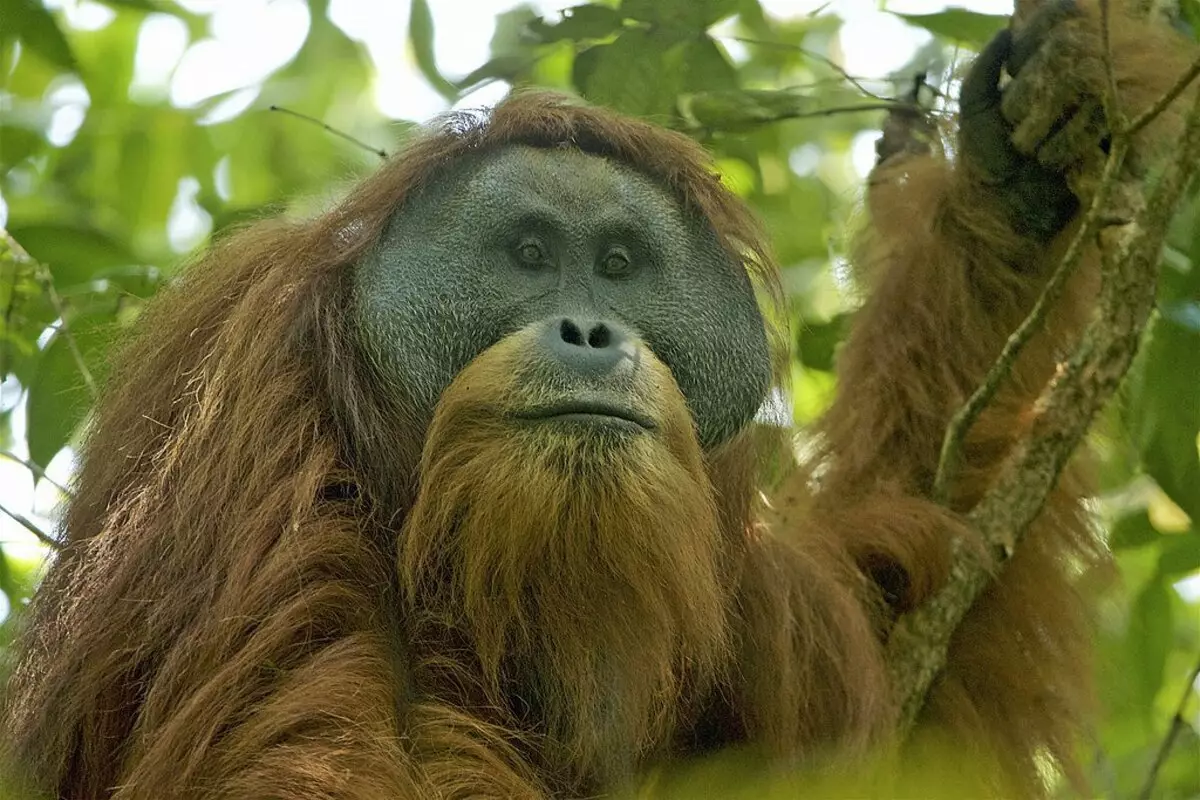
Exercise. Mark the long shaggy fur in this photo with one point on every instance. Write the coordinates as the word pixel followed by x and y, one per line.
pixel 552 579
pixel 273 585
pixel 946 282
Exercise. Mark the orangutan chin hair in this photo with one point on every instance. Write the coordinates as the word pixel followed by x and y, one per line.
pixel 535 544
pixel 285 577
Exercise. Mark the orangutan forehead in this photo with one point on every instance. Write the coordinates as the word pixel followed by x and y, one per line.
pixel 565 178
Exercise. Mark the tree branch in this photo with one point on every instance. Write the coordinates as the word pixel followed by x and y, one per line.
pixel 1112 99
pixel 1129 270
pixel 965 417
pixel 379 151
pixel 1150 114
pixel 30 526
pixel 37 472
pixel 1177 723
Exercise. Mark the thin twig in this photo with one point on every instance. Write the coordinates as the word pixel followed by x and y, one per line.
pixel 820 112
pixel 35 470
pixel 966 416
pixel 46 281
pixel 9 308
pixel 42 272
pixel 833 65
pixel 885 105
pixel 1177 723
pixel 1112 101
pixel 1149 115
pixel 1130 259
pixel 28 525
pixel 379 151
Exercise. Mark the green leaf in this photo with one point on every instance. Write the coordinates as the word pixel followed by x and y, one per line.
pixel 74 253
pixel 959 25
pixel 28 81
pixel 141 5
pixel 818 342
pixel 1179 776
pixel 420 35
pixel 106 63
pixel 512 32
pixel 18 143
pixel 9 588
pixel 632 75
pixel 7 585
pixel 1132 530
pixel 503 68
pixel 1180 274
pixel 578 23
pixel 1165 412
pixel 31 22
pixel 513 51
pixel 131 161
pixel 1150 632
pixel 1190 11
pixel 747 108
pixel 1181 555
pixel 59 397
pixel 803 199
pixel 703 66
pixel 27 312
pixel 1185 313
pixel 693 15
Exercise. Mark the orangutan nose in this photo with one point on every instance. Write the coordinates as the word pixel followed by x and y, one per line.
pixel 587 347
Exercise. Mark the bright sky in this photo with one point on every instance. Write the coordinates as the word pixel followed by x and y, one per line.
pixel 251 38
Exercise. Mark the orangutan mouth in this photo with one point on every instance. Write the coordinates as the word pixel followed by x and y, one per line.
pixel 592 412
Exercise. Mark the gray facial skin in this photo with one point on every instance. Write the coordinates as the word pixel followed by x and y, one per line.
pixel 526 234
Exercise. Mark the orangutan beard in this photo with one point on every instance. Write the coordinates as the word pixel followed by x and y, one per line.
pixel 582 568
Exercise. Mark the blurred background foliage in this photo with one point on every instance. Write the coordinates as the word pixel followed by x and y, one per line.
pixel 122 150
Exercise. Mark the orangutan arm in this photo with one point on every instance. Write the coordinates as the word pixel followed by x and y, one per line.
pixel 954 258
pixel 957 251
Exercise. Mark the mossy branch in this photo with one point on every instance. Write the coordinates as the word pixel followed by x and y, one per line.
pixel 1084 383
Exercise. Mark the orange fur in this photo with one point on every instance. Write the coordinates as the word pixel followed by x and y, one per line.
pixel 250 604
pixel 549 576
pixel 946 281
pixel 226 617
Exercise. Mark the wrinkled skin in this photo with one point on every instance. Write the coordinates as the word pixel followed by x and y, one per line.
pixel 529 234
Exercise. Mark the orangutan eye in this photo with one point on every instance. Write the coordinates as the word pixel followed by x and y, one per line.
pixel 617 264
pixel 531 253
